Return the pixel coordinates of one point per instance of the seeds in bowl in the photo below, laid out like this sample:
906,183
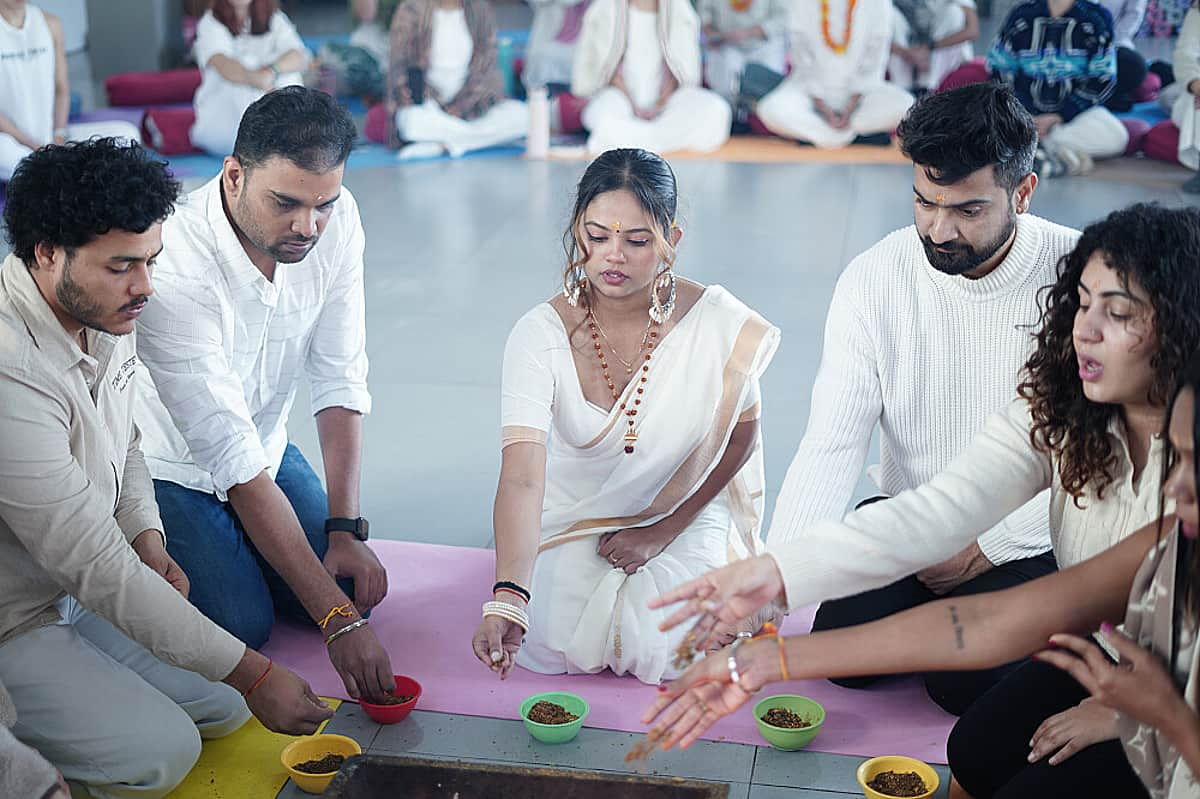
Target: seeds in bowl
544,712
898,783
322,765
392,699
787,719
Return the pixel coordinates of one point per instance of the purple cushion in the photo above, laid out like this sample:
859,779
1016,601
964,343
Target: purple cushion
1137,129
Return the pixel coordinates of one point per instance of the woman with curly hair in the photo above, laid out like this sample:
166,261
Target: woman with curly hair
1146,675
1117,330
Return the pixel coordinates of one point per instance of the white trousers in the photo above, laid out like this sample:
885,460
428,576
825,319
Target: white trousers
723,66
693,119
505,121
942,61
109,714
1095,132
12,151
788,111
1187,119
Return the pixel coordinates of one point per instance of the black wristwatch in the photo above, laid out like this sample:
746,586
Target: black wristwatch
357,526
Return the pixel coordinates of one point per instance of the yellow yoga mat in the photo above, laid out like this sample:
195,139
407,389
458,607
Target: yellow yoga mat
244,765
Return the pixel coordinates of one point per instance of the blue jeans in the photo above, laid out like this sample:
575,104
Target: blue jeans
232,583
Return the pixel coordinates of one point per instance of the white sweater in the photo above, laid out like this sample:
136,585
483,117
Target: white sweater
997,472
928,357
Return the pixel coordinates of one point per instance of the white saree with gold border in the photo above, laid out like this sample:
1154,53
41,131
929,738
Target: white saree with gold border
703,380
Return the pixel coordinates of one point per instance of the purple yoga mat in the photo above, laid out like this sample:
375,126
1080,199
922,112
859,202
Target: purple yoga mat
433,606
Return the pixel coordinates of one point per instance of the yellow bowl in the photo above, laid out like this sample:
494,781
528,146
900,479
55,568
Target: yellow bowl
876,765
314,747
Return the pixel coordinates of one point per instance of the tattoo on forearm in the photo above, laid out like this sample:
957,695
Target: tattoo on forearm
958,628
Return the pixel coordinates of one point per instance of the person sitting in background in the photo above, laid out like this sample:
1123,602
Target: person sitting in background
359,66
35,94
550,53
246,48
1059,57
738,33
1185,110
638,62
445,91
836,91
931,39
1131,65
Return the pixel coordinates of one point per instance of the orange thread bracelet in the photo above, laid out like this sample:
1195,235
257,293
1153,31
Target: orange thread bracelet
340,610
258,682
771,631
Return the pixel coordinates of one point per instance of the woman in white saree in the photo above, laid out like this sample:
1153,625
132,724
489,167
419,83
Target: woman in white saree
631,457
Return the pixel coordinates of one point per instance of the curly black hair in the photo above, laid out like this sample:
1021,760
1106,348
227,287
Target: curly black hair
67,195
1157,247
960,131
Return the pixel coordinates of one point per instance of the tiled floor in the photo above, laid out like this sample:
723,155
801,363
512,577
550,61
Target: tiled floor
751,772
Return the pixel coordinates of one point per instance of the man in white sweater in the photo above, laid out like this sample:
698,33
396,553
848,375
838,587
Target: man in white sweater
925,337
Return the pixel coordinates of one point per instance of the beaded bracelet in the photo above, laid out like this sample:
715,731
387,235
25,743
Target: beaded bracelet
262,677
520,590
351,627
508,612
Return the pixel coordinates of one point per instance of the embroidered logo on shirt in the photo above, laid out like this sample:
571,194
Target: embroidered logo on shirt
120,381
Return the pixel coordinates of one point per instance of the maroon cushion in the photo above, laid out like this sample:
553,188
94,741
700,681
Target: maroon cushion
168,130
1137,130
1148,89
570,112
973,71
153,88
1162,142
376,126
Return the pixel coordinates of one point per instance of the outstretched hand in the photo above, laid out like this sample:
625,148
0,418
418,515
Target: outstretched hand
722,598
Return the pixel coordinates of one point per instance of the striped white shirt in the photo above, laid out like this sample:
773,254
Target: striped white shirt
226,347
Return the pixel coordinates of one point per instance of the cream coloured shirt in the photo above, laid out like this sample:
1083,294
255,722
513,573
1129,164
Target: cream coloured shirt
74,490
998,472
642,68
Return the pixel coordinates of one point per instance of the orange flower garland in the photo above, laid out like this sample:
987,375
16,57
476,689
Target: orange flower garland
837,47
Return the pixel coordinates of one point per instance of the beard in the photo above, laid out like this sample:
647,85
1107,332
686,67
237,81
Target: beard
82,308
276,249
958,258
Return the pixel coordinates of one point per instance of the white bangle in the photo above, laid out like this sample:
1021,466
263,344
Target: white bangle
507,612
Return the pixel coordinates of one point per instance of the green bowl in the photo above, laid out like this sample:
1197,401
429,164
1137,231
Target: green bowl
555,733
787,739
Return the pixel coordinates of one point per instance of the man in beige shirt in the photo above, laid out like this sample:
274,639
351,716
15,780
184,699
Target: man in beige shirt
111,670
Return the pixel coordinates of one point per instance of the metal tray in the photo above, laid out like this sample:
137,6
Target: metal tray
399,777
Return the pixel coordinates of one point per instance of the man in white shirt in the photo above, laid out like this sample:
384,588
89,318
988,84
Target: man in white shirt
261,279
926,335
111,671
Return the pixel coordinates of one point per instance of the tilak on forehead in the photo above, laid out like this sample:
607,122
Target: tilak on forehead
940,198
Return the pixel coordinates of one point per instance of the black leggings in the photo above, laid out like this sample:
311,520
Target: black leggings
989,746
953,691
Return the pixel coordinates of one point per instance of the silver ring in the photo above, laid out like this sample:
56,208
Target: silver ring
744,634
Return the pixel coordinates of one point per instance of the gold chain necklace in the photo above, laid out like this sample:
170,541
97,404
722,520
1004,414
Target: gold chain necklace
612,348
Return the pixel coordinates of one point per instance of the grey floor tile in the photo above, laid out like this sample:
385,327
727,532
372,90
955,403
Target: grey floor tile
475,738
804,769
350,720
774,792
290,791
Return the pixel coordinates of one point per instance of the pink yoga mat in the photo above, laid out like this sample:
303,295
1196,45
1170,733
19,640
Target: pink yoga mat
433,607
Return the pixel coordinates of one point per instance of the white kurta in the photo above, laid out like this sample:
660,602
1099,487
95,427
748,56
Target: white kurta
27,64
819,71
951,18
723,65
692,118
585,614
219,103
1183,110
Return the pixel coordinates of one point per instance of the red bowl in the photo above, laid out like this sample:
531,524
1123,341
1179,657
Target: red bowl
390,714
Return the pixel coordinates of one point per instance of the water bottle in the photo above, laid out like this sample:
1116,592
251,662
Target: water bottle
537,141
